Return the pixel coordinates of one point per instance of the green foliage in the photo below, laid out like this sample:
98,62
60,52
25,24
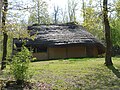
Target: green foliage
93,22
117,6
115,25
115,32
20,65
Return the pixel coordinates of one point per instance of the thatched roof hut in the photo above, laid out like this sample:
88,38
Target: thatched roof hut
61,36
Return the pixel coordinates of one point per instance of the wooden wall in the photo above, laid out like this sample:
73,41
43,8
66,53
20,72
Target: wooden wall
91,51
40,56
79,51
56,53
67,52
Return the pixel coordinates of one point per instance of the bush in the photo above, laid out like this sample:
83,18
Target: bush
19,66
116,50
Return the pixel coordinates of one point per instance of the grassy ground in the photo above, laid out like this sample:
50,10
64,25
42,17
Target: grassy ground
77,74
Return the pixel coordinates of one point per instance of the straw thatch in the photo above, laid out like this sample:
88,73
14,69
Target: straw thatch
62,34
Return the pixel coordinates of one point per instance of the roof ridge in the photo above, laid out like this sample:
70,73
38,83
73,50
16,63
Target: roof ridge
61,24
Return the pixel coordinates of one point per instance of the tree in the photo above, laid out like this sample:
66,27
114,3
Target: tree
115,32
1,4
117,6
56,12
39,14
64,16
3,64
19,67
12,27
115,25
92,19
115,28
108,60
83,10
72,7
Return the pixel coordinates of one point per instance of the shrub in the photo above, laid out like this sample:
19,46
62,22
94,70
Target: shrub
19,66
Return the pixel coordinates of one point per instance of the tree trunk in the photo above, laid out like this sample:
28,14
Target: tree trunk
3,64
83,8
56,10
38,9
1,4
108,60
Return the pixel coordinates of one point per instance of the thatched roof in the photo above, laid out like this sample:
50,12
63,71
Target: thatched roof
62,34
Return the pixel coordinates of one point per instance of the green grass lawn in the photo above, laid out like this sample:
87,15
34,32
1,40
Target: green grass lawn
77,74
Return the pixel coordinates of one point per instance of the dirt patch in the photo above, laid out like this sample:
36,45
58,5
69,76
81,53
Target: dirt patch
12,85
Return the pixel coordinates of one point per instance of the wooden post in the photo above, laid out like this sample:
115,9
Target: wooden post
66,52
